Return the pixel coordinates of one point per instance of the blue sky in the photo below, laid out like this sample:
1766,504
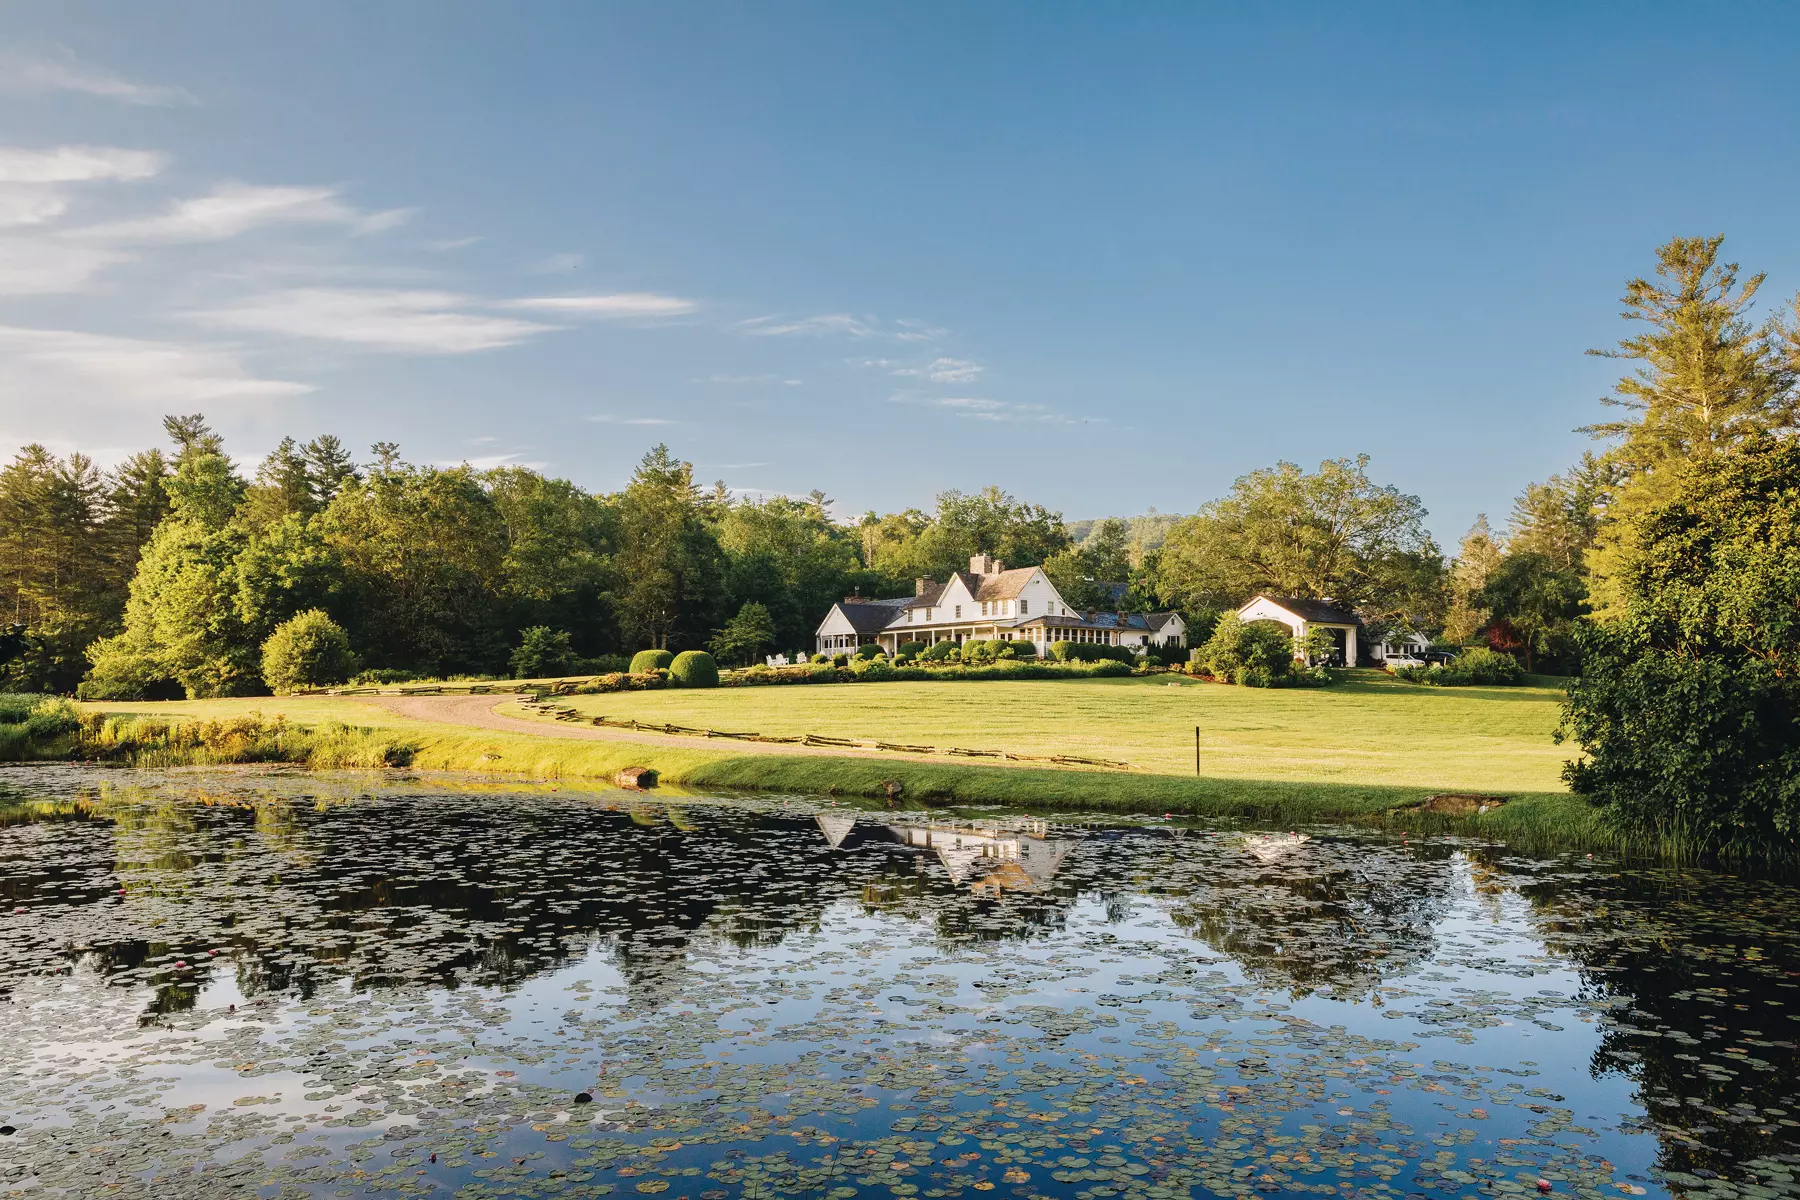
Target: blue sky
1106,256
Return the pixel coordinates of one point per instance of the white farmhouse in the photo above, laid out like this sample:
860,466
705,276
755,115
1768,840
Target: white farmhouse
988,602
1303,616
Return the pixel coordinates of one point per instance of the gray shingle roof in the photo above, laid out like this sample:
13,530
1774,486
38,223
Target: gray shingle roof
1320,612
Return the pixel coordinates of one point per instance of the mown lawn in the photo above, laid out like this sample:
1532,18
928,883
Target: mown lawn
1368,729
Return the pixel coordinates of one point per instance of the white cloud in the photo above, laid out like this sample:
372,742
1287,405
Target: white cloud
30,205
445,244
737,379
918,331
622,304
42,266
945,370
233,209
63,73
982,408
65,367
608,419
77,164
493,461
828,324
402,322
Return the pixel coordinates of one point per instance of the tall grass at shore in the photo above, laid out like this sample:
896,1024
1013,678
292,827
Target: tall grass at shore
48,728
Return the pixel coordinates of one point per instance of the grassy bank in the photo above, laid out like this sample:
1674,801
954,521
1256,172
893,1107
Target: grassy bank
1367,729
1534,819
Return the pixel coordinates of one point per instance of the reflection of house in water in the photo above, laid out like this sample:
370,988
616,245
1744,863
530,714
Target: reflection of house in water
836,826
989,856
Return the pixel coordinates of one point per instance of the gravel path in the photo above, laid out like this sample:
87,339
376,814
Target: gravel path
477,712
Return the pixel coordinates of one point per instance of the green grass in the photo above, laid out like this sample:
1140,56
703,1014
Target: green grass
1364,750
1367,730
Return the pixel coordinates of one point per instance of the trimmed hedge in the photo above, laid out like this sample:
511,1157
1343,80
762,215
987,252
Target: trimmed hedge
881,671
1089,652
694,669
869,650
650,660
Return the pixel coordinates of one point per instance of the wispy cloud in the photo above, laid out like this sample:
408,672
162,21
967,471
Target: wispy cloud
945,370
30,205
62,72
983,408
918,331
389,320
621,304
740,379
49,366
233,209
491,462
609,419
77,164
826,325
42,266
445,244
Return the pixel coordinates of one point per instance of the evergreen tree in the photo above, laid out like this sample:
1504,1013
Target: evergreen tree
670,567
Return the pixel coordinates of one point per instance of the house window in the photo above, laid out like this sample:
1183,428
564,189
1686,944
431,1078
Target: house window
1024,607
984,605
959,612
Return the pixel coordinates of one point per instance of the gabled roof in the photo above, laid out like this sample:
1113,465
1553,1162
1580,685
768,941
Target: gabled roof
1157,620
872,616
1319,612
1004,585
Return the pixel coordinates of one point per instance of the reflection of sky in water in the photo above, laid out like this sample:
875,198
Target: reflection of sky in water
767,998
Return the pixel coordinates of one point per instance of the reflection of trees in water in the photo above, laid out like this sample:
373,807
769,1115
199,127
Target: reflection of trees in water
1326,915
1705,963
450,890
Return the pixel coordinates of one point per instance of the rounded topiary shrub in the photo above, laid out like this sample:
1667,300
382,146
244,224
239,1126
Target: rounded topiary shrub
913,648
645,661
310,650
694,669
869,650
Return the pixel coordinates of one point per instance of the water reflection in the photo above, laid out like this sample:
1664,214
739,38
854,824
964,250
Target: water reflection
1235,1012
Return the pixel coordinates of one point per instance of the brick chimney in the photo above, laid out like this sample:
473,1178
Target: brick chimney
983,564
921,583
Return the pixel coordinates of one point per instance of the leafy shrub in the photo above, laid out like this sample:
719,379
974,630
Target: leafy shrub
980,651
694,669
1023,649
1688,704
600,664
1479,667
869,650
821,658
840,660
872,669
941,652
651,660
543,653
1253,653
310,650
913,648
377,676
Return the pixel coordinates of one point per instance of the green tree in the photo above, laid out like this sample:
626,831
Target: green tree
543,653
745,636
307,650
283,486
1560,518
670,569
55,566
1708,376
1476,560
558,567
328,468
1688,706
1535,606
1332,534
423,552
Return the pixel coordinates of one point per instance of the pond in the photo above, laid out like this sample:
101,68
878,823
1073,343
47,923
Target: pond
279,984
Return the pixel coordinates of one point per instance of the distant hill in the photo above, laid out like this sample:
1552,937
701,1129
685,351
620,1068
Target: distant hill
1147,530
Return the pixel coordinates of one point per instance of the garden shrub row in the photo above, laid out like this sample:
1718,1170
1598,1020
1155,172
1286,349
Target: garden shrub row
1478,667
